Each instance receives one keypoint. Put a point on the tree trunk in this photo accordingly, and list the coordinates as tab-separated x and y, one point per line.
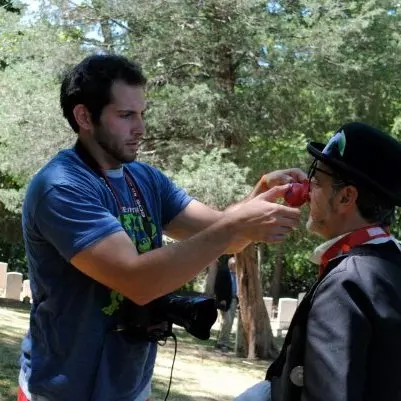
211	279
277	275
104	25
241	345
255	320
261	256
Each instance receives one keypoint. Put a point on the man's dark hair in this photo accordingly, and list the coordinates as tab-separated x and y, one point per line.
372	207
89	83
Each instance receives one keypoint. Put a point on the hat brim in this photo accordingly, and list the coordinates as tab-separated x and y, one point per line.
316	149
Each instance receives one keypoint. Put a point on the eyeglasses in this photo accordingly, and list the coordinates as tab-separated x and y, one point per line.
313	168
339	181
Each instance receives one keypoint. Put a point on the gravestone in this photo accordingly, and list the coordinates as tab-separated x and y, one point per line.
301	297
286	310
268	301
26	290
3	278
14	285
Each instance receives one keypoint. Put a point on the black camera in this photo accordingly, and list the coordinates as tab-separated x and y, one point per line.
154	321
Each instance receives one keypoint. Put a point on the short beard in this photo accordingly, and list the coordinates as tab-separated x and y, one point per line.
314	226
104	140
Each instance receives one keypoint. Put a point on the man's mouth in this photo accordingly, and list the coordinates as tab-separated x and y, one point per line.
133	144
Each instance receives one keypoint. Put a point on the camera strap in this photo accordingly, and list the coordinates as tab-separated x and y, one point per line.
137	198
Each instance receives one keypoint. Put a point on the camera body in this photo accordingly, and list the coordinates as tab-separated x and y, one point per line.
153	321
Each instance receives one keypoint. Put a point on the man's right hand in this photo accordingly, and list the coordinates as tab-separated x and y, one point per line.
262	220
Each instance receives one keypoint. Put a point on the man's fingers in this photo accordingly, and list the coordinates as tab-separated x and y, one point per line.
297	174
276	238
282	177
275	193
279	234
288	221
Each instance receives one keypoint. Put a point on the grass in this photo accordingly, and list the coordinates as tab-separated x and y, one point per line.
200	372
13	325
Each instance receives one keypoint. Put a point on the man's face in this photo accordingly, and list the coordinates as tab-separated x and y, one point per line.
324	217
121	123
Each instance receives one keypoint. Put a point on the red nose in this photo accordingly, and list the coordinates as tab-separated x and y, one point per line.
297	194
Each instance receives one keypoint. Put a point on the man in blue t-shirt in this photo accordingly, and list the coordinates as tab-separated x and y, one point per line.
93	220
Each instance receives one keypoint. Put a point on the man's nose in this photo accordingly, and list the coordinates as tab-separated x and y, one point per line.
139	127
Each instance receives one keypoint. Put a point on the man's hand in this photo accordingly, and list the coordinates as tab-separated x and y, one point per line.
262	220
278	177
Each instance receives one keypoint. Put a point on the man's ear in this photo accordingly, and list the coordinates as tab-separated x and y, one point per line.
83	117
349	196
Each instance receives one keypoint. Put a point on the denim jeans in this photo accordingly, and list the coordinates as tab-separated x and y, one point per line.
258	392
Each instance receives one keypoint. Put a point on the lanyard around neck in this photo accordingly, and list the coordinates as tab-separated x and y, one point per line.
88	159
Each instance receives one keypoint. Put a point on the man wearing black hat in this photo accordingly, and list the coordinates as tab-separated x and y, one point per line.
344	342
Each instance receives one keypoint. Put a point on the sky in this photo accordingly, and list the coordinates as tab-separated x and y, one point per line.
33	8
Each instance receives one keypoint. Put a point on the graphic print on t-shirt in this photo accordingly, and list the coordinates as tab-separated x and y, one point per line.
143	234
142	231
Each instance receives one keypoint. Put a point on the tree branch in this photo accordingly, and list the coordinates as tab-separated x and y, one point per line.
121	25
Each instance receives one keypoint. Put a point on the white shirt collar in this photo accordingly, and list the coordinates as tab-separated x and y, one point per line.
319	251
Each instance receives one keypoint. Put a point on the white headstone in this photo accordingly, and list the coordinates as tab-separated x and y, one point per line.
26	290
269	306
301	297
14	285
3	278
286	310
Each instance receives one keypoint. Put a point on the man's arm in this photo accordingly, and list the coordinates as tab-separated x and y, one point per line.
114	261
338	336
197	216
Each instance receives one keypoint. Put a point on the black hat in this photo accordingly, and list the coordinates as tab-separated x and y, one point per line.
364	156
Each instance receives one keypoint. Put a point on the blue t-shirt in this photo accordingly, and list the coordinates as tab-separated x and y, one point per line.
72	351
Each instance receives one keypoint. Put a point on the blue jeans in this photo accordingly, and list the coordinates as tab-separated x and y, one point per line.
259	392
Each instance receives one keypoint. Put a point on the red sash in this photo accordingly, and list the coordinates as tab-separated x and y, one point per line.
351	240
21	396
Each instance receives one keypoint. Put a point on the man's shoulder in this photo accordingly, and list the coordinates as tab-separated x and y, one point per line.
367	265
63	169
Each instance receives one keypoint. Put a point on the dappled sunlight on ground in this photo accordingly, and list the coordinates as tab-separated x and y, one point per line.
201	373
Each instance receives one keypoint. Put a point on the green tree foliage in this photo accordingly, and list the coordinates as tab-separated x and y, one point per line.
32	129
211	178
258	78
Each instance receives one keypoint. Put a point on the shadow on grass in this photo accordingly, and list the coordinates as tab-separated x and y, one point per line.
160	387
190	351
13	326
191	346
9	366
